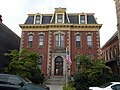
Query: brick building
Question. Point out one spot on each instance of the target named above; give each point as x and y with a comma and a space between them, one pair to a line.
50, 34
110, 53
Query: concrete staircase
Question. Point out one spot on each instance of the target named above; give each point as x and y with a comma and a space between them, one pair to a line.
56, 80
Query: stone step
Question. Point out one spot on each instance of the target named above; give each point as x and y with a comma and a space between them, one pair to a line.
56, 80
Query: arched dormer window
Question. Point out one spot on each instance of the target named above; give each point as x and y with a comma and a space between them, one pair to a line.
82, 19
37, 20
59, 18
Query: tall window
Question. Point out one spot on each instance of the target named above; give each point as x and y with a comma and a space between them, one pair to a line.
56, 40
37, 19
41, 40
111, 53
89, 41
59, 18
30, 40
40, 62
62, 40
82, 19
114, 51
106, 54
59, 40
77, 40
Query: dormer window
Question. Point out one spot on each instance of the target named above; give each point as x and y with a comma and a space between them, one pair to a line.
82, 19
37, 19
59, 18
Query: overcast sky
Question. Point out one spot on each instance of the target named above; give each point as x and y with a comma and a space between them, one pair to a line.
14, 12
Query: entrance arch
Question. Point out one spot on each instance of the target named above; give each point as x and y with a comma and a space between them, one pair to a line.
58, 66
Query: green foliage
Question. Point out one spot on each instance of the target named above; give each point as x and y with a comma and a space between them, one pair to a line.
70, 86
85, 62
92, 73
81, 81
36, 77
24, 63
21, 63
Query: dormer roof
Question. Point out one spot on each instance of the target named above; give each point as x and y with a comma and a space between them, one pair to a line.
67, 18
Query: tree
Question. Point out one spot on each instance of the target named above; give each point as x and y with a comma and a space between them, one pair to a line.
22, 62
91, 72
91, 66
84, 62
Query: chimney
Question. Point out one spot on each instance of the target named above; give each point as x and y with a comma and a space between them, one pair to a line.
0, 18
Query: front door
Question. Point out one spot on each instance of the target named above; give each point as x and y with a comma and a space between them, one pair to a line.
59, 66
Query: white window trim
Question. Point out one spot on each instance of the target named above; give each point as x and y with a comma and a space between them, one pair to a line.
56, 21
85, 18
40, 18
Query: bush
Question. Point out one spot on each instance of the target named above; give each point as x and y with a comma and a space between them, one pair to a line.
81, 81
36, 77
70, 86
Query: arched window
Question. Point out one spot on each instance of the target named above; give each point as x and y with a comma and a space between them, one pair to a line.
114, 51
30, 40
89, 40
41, 40
111, 53
78, 41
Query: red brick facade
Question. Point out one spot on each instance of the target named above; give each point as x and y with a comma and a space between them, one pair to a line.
64, 35
110, 53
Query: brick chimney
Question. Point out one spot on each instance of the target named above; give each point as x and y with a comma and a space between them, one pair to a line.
0, 18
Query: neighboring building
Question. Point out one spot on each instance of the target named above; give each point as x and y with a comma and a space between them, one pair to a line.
50, 34
8, 41
117, 4
110, 53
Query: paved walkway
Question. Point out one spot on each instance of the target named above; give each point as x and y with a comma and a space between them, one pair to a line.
55, 87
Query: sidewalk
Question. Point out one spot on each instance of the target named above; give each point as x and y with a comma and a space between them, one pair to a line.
55, 87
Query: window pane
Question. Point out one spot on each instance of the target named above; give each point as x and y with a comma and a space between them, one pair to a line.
82, 19
59, 18
89, 41
41, 40
30, 43
89, 38
62, 41
37, 19
30, 38
77, 40
56, 40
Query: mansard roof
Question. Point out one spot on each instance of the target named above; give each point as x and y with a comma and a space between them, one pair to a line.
69, 18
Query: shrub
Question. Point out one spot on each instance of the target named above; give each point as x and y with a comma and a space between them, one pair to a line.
36, 77
70, 86
81, 81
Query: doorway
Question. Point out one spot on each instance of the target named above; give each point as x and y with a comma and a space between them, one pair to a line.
58, 66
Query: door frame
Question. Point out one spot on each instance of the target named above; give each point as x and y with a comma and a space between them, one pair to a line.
58, 66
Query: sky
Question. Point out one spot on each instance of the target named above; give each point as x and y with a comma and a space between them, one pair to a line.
15, 12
